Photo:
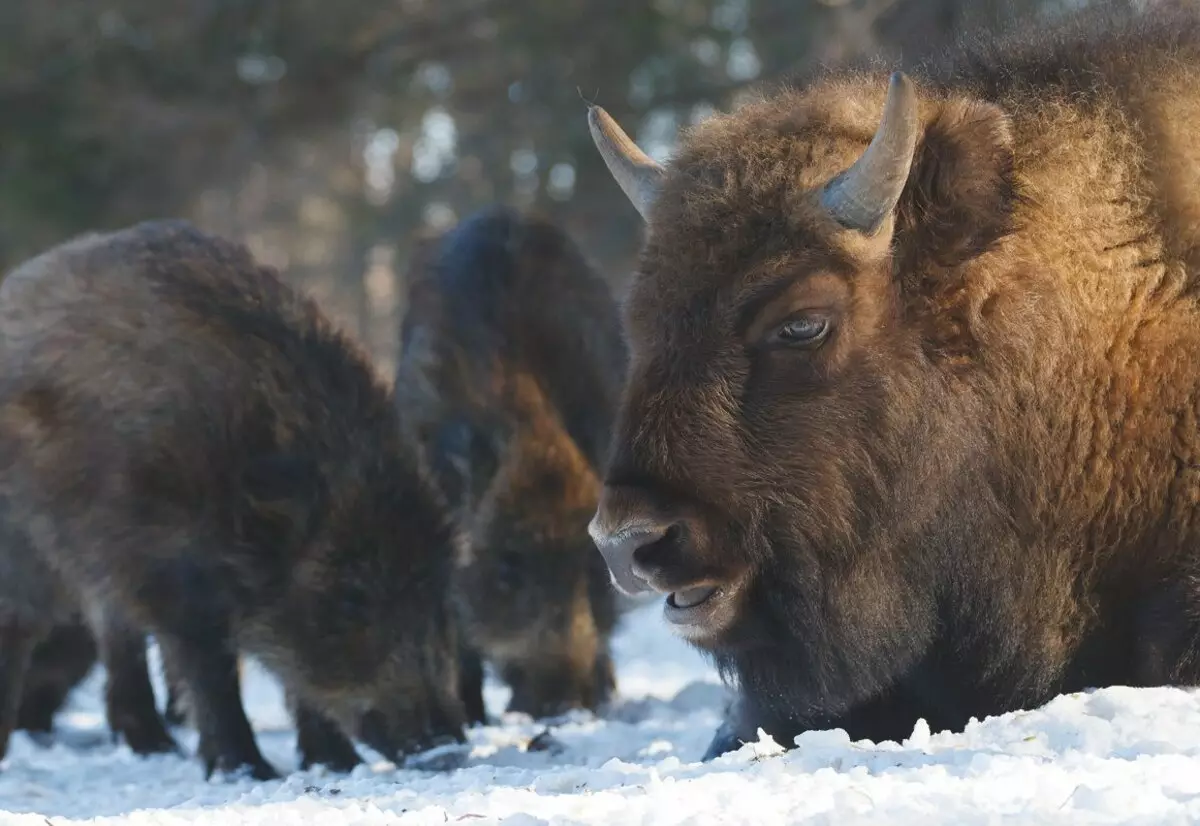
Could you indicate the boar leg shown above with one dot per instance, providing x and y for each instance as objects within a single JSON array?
[
  {"x": 550, "y": 687},
  {"x": 175, "y": 711},
  {"x": 320, "y": 741},
  {"x": 17, "y": 641},
  {"x": 39, "y": 706},
  {"x": 208, "y": 667},
  {"x": 447, "y": 720},
  {"x": 470, "y": 685},
  {"x": 129, "y": 695},
  {"x": 537, "y": 694},
  {"x": 60, "y": 662}
]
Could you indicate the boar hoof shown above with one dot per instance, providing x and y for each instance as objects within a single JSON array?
[
  {"x": 321, "y": 742},
  {"x": 229, "y": 763},
  {"x": 149, "y": 738},
  {"x": 335, "y": 754},
  {"x": 545, "y": 741},
  {"x": 256, "y": 770}
]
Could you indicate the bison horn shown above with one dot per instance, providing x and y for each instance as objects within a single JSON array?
[
  {"x": 862, "y": 196},
  {"x": 638, "y": 175}
]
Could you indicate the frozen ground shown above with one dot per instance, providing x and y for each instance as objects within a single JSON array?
[{"x": 1114, "y": 756}]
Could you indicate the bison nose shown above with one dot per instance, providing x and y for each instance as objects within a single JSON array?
[{"x": 620, "y": 544}]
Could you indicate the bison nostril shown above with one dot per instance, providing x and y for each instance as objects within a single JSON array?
[
  {"x": 620, "y": 548},
  {"x": 650, "y": 554}
]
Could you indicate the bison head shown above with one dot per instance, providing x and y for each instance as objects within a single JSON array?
[{"x": 798, "y": 438}]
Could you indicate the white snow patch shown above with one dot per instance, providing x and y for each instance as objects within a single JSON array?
[{"x": 1119, "y": 755}]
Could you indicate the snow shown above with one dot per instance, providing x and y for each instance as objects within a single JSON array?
[{"x": 1117, "y": 755}]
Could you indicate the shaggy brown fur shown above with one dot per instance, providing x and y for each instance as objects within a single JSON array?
[
  {"x": 512, "y": 360},
  {"x": 981, "y": 489},
  {"x": 200, "y": 455}
]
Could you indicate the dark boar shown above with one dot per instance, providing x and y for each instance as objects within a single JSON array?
[
  {"x": 910, "y": 428},
  {"x": 201, "y": 456},
  {"x": 511, "y": 362}
]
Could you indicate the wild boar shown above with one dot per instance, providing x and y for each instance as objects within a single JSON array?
[
  {"x": 511, "y": 363},
  {"x": 197, "y": 453}
]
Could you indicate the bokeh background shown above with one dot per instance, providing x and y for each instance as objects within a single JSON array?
[{"x": 334, "y": 135}]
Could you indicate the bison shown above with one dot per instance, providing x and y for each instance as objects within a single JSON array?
[
  {"x": 911, "y": 426},
  {"x": 197, "y": 453},
  {"x": 511, "y": 365}
]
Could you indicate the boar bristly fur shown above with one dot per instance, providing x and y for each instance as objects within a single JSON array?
[
  {"x": 510, "y": 370},
  {"x": 200, "y": 455}
]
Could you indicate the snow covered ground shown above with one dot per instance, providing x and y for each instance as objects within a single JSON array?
[{"x": 1112, "y": 756}]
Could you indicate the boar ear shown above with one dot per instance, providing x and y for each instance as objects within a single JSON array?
[
  {"x": 961, "y": 192},
  {"x": 281, "y": 497}
]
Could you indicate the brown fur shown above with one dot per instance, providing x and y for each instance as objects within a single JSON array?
[
  {"x": 197, "y": 453},
  {"x": 511, "y": 367},
  {"x": 981, "y": 490}
]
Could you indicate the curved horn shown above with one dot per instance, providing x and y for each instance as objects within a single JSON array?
[
  {"x": 862, "y": 196},
  {"x": 637, "y": 174}
]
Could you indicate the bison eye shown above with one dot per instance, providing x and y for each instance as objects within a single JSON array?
[{"x": 805, "y": 331}]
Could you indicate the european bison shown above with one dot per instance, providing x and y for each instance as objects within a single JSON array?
[
  {"x": 511, "y": 365},
  {"x": 200, "y": 455},
  {"x": 911, "y": 423}
]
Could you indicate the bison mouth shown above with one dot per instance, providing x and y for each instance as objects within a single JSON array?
[
  {"x": 690, "y": 598},
  {"x": 699, "y": 611}
]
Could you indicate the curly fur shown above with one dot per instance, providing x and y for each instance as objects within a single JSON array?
[{"x": 981, "y": 490}]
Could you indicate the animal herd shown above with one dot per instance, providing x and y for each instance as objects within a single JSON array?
[{"x": 899, "y": 415}]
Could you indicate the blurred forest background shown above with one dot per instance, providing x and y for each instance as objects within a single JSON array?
[{"x": 333, "y": 135}]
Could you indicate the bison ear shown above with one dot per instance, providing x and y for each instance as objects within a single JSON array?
[
  {"x": 961, "y": 193},
  {"x": 281, "y": 497}
]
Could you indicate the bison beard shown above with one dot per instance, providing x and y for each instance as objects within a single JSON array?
[
  {"x": 910, "y": 426},
  {"x": 191, "y": 449}
]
